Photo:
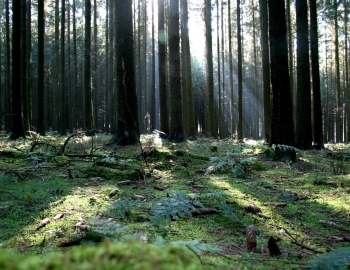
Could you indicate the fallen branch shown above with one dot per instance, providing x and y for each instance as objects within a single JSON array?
[
  {"x": 294, "y": 241},
  {"x": 332, "y": 224}
]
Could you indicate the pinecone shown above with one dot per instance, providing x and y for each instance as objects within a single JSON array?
[{"x": 251, "y": 238}]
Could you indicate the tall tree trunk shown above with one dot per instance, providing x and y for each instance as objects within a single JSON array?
[
  {"x": 88, "y": 117},
  {"x": 347, "y": 87},
  {"x": 107, "y": 60},
  {"x": 153, "y": 77},
  {"x": 224, "y": 127},
  {"x": 339, "y": 129},
  {"x": 41, "y": 69},
  {"x": 63, "y": 130},
  {"x": 55, "y": 113},
  {"x": 218, "y": 53},
  {"x": 17, "y": 121},
  {"x": 163, "y": 101},
  {"x": 176, "y": 132},
  {"x": 75, "y": 68},
  {"x": 303, "y": 131},
  {"x": 240, "y": 131},
  {"x": 128, "y": 125},
  {"x": 232, "y": 124},
  {"x": 7, "y": 97},
  {"x": 290, "y": 54},
  {"x": 282, "y": 127},
  {"x": 187, "y": 73},
  {"x": 29, "y": 62},
  {"x": 316, "y": 91},
  {"x": 210, "y": 69},
  {"x": 94, "y": 72},
  {"x": 24, "y": 74}
]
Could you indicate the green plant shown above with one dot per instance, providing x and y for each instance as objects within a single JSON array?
[
  {"x": 175, "y": 206},
  {"x": 218, "y": 165},
  {"x": 121, "y": 208},
  {"x": 106, "y": 227},
  {"x": 337, "y": 259},
  {"x": 229, "y": 212}
]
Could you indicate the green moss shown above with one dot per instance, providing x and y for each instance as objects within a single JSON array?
[{"x": 122, "y": 255}]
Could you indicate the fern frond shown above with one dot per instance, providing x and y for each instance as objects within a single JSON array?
[
  {"x": 121, "y": 208},
  {"x": 106, "y": 227},
  {"x": 174, "y": 207}
]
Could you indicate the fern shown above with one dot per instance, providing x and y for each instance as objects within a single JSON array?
[
  {"x": 228, "y": 212},
  {"x": 338, "y": 259},
  {"x": 174, "y": 207},
  {"x": 106, "y": 227},
  {"x": 121, "y": 208},
  {"x": 238, "y": 171},
  {"x": 285, "y": 148},
  {"x": 218, "y": 165}
]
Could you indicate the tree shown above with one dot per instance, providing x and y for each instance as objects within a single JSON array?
[
  {"x": 163, "y": 101},
  {"x": 88, "y": 117},
  {"x": 128, "y": 125},
  {"x": 239, "y": 73},
  {"x": 17, "y": 129},
  {"x": 282, "y": 127},
  {"x": 315, "y": 72},
  {"x": 265, "y": 69},
  {"x": 338, "y": 122},
  {"x": 186, "y": 72},
  {"x": 41, "y": 70},
  {"x": 7, "y": 96},
  {"x": 62, "y": 129},
  {"x": 176, "y": 132},
  {"x": 24, "y": 75},
  {"x": 303, "y": 132},
  {"x": 209, "y": 69},
  {"x": 232, "y": 124}
]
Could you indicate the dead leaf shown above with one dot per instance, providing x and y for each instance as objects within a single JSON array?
[
  {"x": 230, "y": 202},
  {"x": 156, "y": 176},
  {"x": 125, "y": 182},
  {"x": 263, "y": 215},
  {"x": 279, "y": 204},
  {"x": 158, "y": 188},
  {"x": 58, "y": 216},
  {"x": 252, "y": 208},
  {"x": 43, "y": 223},
  {"x": 113, "y": 192},
  {"x": 138, "y": 197},
  {"x": 69, "y": 242}
]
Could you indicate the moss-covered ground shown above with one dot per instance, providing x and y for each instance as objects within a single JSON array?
[{"x": 53, "y": 198}]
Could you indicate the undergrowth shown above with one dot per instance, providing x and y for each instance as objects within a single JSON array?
[{"x": 58, "y": 192}]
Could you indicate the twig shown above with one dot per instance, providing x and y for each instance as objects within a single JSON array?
[{"x": 294, "y": 241}]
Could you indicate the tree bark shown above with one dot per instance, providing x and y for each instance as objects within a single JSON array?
[
  {"x": 88, "y": 117},
  {"x": 209, "y": 69},
  {"x": 41, "y": 69},
  {"x": 303, "y": 132},
  {"x": 128, "y": 125},
  {"x": 163, "y": 100},
  {"x": 240, "y": 132},
  {"x": 316, "y": 91},
  {"x": 17, "y": 121},
  {"x": 282, "y": 127},
  {"x": 176, "y": 132}
]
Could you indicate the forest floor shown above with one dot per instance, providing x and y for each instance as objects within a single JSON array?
[{"x": 204, "y": 194}]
